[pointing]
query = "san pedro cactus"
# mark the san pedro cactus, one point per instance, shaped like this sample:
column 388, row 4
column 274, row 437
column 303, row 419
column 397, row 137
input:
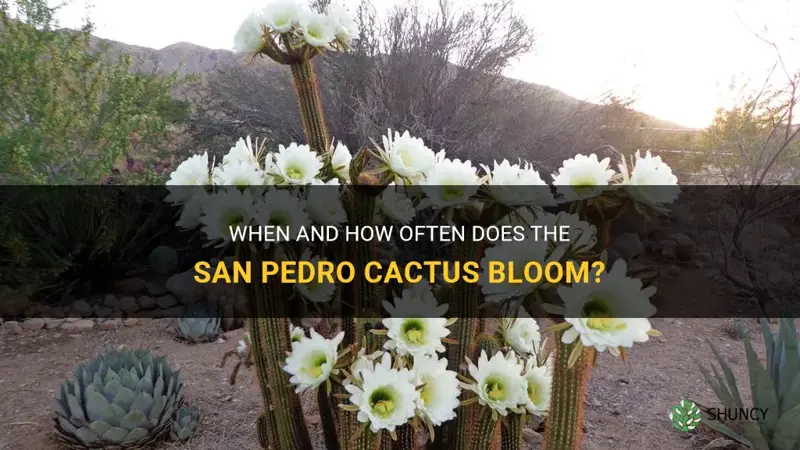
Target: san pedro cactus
column 420, row 360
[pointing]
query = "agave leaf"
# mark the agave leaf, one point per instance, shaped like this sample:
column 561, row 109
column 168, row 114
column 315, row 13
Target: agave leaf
column 133, row 419
column 60, row 407
column 718, row 385
column 763, row 389
column 112, row 388
column 729, row 377
column 76, row 413
column 158, row 389
column 97, row 407
column 769, row 340
column 67, row 426
column 87, row 436
column 792, row 398
column 725, row 430
column 124, row 398
column 99, row 427
column 137, row 434
column 159, row 404
column 754, row 434
column 787, row 431
column 791, row 363
column 119, row 414
column 142, row 403
column 109, row 377
column 115, row 435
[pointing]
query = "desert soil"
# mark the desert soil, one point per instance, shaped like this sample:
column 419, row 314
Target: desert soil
column 626, row 406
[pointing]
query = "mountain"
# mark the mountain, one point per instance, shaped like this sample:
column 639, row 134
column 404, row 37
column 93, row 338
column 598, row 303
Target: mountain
column 191, row 59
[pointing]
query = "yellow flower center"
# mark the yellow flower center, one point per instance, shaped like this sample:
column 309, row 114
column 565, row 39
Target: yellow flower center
column 294, row 173
column 427, row 392
column 315, row 362
column 381, row 401
column 495, row 389
column 414, row 331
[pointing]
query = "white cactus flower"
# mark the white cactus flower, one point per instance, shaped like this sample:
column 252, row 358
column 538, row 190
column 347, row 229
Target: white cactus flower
column 499, row 383
column 295, row 164
column 281, row 15
column 396, row 205
column 651, row 181
column 312, row 360
column 583, row 177
column 318, row 30
column 340, row 160
column 324, row 205
column 438, row 398
column 281, row 208
column 522, row 333
column 517, row 185
column 538, row 386
column 191, row 172
column 224, row 210
column 386, row 398
column 610, row 314
column 249, row 37
column 406, row 156
column 451, row 182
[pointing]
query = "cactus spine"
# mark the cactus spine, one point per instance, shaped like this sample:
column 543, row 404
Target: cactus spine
column 564, row 429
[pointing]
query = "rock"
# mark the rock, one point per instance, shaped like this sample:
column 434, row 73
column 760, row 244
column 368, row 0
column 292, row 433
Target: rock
column 131, row 287
column 81, row 309
column 129, row 305
column 54, row 312
column 83, row 325
column 36, row 323
column 157, row 288
column 111, row 324
column 628, row 246
column 672, row 270
column 166, row 301
column 185, row 288
column 102, row 311
column 67, row 326
column 51, row 324
column 12, row 327
column 147, row 302
column 684, row 246
column 668, row 249
column 33, row 310
column 130, row 322
column 72, row 319
column 164, row 260
column 111, row 301
column 531, row 437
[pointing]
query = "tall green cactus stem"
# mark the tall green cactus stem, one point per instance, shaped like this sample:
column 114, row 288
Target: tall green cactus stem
column 463, row 299
column 269, row 340
column 365, row 300
column 406, row 439
column 309, row 102
column 485, row 435
column 511, row 432
column 564, row 427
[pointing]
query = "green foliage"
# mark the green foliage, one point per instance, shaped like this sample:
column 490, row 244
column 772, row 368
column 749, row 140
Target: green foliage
column 126, row 398
column 55, row 240
column 187, row 421
column 198, row 324
column 69, row 110
column 775, row 388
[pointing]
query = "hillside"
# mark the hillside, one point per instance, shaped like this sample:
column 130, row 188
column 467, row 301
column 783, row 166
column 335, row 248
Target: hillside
column 191, row 59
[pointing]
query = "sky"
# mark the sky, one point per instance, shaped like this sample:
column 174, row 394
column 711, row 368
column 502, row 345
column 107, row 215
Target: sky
column 677, row 58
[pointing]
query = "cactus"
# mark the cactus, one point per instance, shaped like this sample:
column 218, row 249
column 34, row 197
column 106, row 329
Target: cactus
column 377, row 417
column 187, row 421
column 564, row 427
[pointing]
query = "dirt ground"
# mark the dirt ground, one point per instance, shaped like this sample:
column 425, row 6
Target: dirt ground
column 626, row 406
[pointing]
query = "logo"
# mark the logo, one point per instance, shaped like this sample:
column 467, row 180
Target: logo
column 685, row 416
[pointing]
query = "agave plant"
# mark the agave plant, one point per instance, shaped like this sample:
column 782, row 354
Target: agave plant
column 187, row 420
column 775, row 389
column 122, row 399
column 197, row 325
